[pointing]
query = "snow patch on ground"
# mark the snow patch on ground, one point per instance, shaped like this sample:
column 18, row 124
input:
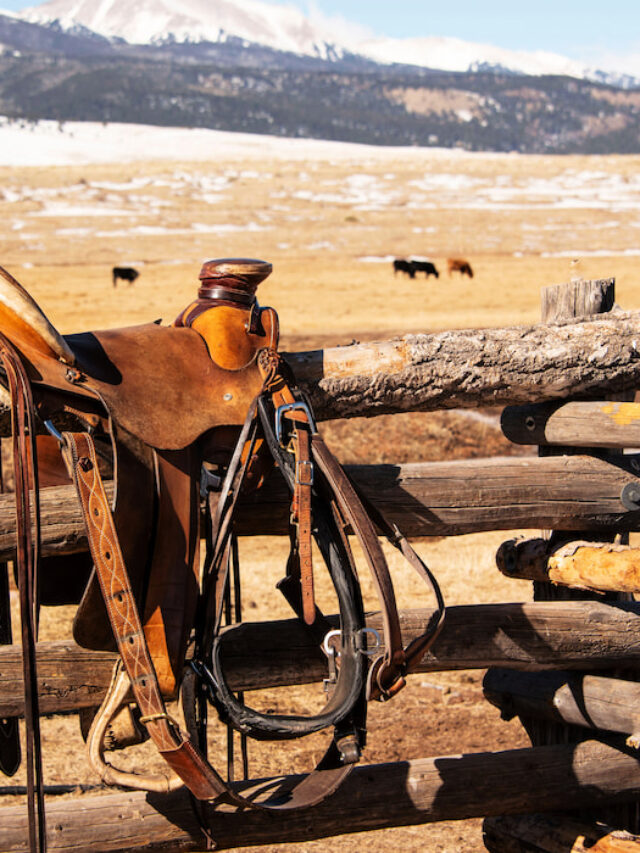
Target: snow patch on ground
column 49, row 143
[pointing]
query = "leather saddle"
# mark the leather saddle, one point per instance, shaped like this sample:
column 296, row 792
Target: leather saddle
column 157, row 403
column 162, row 388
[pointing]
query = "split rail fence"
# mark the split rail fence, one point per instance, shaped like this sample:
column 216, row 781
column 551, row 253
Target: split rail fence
column 565, row 663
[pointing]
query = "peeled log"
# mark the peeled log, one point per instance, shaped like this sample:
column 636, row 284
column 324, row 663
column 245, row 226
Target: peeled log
column 590, row 701
column 595, row 566
column 426, row 499
column 538, row 833
column 580, row 423
column 474, row 367
column 402, row 793
column 531, row 636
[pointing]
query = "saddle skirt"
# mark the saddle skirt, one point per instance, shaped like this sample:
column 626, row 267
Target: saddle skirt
column 159, row 389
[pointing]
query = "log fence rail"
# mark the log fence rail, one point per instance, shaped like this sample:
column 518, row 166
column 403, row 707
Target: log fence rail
column 567, row 665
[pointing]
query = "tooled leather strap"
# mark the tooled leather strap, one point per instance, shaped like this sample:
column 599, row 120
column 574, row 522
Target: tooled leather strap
column 175, row 746
column 125, row 621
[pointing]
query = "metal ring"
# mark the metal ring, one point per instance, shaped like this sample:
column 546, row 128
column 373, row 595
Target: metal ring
column 292, row 407
column 325, row 643
column 371, row 651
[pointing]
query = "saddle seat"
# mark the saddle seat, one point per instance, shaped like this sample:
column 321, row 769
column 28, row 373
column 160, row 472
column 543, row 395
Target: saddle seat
column 167, row 385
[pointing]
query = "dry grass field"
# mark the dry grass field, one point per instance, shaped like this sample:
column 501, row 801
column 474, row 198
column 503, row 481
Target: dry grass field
column 331, row 226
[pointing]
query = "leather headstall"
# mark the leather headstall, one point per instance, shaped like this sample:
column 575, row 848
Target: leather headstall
column 171, row 620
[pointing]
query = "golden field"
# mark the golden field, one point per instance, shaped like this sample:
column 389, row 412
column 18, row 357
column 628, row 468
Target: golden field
column 331, row 225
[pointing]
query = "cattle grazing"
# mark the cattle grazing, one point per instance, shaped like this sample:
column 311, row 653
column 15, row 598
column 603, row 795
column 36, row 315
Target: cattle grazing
column 459, row 265
column 125, row 273
column 427, row 267
column 400, row 265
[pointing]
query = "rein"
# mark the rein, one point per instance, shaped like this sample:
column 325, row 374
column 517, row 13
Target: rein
column 27, row 554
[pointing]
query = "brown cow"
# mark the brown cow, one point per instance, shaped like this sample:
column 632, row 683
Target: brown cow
column 459, row 265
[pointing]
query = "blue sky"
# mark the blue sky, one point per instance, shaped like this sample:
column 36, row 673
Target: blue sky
column 580, row 29
column 574, row 28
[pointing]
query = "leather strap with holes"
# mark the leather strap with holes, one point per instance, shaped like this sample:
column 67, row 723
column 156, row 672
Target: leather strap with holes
column 301, row 517
column 176, row 748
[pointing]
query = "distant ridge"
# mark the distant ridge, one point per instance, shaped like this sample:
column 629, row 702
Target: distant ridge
column 283, row 27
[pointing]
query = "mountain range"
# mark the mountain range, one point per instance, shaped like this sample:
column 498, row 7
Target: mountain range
column 283, row 27
column 252, row 66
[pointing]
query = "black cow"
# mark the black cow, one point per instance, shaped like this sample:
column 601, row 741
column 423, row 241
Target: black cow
column 125, row 273
column 426, row 267
column 407, row 267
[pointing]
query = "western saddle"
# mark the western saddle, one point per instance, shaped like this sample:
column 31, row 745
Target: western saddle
column 196, row 412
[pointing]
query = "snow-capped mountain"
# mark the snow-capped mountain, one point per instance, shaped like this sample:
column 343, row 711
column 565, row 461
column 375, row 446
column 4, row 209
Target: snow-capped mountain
column 253, row 66
column 284, row 27
column 452, row 54
column 278, row 26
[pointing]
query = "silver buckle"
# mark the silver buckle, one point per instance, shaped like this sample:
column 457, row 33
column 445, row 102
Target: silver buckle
column 309, row 466
column 292, row 407
column 327, row 649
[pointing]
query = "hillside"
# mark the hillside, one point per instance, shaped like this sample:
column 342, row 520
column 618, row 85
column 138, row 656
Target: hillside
column 47, row 72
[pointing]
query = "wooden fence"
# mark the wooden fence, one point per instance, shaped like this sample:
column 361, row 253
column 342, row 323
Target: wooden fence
column 564, row 663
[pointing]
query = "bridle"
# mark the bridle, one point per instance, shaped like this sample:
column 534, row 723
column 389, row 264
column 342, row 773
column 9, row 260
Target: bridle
column 278, row 434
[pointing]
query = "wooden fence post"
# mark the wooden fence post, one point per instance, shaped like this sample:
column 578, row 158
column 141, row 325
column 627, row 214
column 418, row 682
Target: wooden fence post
column 576, row 300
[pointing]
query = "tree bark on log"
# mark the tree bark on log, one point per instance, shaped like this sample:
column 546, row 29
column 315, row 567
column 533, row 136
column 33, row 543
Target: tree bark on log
column 474, row 367
column 425, row 499
column 596, row 566
column 538, row 833
column 591, row 701
column 468, row 368
column 532, row 636
column 373, row 797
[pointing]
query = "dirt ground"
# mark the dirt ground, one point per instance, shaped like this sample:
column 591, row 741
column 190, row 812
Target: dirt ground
column 331, row 228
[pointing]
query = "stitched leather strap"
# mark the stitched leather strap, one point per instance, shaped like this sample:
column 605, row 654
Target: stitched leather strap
column 175, row 746
column 125, row 621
